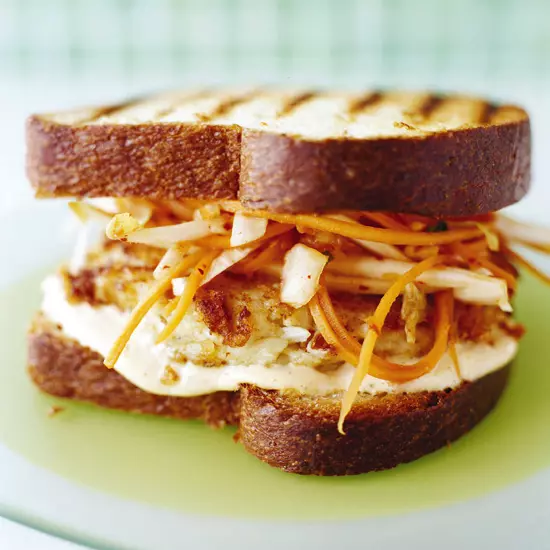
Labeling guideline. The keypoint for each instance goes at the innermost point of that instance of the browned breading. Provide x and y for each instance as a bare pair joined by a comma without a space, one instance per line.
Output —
103,286
474,322
118,254
235,325
224,306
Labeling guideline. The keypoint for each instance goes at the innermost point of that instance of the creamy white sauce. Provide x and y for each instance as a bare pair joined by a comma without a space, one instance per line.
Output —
143,363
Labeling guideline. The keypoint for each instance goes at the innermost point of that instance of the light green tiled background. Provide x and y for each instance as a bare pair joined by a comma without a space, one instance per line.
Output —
414,42
56,53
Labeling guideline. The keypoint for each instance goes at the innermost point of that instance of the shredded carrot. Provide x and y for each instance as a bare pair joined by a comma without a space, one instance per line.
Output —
273,230
184,301
334,332
274,249
139,312
265,256
416,222
456,241
393,372
454,355
328,332
376,322
385,220
421,252
453,336
469,250
528,265
359,231
418,226
215,241
332,317
397,287
170,306
476,218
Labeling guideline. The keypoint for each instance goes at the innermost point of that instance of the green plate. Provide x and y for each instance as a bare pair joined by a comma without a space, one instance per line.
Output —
187,467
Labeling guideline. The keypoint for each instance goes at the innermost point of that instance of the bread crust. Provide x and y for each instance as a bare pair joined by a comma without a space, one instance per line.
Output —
62,367
157,161
460,173
290,431
471,170
298,434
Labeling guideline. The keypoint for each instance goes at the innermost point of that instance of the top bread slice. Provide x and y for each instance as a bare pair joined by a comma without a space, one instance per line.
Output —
409,152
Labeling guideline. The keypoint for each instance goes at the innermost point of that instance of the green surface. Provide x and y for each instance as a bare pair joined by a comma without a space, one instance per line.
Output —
346,42
189,467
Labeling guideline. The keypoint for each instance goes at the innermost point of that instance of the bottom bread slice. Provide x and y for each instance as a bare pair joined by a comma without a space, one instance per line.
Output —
291,431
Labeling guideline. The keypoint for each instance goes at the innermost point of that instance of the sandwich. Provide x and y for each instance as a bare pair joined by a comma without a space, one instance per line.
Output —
329,272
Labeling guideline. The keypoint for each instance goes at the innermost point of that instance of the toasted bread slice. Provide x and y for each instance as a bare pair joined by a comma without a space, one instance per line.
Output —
61,366
291,431
402,152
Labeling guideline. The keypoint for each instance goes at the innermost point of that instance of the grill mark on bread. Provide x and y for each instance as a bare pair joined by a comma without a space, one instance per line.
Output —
226,106
506,114
370,99
296,101
312,167
458,112
486,115
110,110
181,102
428,107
